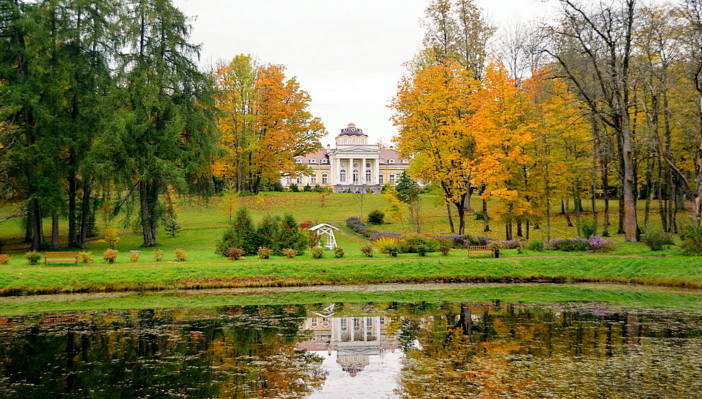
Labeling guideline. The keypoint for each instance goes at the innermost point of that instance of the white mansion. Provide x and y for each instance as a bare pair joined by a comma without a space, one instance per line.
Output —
355,165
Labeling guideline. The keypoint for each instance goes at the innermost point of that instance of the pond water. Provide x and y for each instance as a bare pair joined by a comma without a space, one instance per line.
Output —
373,350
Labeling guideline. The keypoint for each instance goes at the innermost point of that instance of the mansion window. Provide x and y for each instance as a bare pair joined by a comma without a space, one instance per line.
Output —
313,161
324,161
342,176
355,176
298,160
325,179
380,179
392,178
299,180
363,141
404,161
346,141
391,161
353,141
313,179
368,176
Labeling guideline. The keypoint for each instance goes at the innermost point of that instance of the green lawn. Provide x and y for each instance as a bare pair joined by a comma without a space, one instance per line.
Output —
202,225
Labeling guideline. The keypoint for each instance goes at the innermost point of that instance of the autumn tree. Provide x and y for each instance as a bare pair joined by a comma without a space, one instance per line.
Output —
430,111
593,46
502,131
264,123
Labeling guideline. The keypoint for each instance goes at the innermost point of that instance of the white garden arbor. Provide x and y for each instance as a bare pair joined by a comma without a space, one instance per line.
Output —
326,230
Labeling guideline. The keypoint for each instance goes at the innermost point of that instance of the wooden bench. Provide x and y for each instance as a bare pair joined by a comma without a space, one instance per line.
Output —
480,249
60,257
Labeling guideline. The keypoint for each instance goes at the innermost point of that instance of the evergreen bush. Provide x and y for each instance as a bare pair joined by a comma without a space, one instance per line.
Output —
317,252
656,240
376,217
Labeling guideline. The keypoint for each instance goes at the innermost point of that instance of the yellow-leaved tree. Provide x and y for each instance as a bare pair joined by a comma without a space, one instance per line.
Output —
503,130
264,124
430,111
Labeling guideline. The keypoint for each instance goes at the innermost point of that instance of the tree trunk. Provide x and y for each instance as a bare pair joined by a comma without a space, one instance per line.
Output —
486,217
36,224
55,243
86,214
564,208
450,218
461,218
73,235
147,202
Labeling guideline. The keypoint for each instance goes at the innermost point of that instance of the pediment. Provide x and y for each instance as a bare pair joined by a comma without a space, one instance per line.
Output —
357,150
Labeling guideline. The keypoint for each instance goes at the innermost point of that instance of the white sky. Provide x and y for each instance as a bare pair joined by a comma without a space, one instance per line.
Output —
347,55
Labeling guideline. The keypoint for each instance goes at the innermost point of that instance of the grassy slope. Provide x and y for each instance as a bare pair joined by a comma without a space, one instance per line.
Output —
203,226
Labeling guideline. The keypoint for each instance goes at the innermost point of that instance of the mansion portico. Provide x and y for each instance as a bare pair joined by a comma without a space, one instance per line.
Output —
354,165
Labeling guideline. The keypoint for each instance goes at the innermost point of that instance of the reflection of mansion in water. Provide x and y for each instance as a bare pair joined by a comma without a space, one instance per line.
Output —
355,339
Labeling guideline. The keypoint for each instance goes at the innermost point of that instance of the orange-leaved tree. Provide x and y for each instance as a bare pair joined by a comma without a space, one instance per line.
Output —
430,111
264,123
503,130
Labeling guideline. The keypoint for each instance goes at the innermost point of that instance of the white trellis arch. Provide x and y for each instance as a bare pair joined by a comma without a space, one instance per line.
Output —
327,230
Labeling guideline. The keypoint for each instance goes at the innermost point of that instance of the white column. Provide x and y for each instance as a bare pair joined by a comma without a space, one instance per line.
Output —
365,333
363,171
351,327
335,173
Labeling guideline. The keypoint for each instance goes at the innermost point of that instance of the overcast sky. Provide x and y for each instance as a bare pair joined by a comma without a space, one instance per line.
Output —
347,54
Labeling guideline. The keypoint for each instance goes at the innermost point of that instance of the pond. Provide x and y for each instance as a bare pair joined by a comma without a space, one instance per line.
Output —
492,349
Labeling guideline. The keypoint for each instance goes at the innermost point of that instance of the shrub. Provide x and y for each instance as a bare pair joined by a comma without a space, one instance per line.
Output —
317,252
367,250
480,240
384,234
458,241
110,255
411,243
158,255
134,257
376,217
4,259
422,250
338,252
235,253
290,252
355,224
111,237
290,236
33,257
587,228
293,187
537,246
656,239
444,250
307,188
264,252
512,244
241,234
85,256
599,244
383,243
692,240
392,250
180,255
568,244
171,226
268,231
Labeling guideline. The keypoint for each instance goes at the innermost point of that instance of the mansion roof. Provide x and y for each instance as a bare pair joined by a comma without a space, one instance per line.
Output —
352,130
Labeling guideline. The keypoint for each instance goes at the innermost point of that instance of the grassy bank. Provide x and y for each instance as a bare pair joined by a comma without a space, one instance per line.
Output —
613,295
656,271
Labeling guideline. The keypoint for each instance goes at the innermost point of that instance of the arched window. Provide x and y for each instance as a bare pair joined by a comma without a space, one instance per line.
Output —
346,141
392,178
353,140
363,141
368,177
325,179
313,179
380,179
342,176
355,176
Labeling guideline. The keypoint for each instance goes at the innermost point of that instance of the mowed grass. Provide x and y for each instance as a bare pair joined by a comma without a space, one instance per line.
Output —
613,295
203,224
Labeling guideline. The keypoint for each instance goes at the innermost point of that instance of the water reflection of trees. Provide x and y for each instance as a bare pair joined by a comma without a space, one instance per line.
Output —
234,352
490,351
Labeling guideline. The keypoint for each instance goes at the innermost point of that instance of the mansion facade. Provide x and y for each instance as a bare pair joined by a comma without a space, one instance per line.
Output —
355,165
